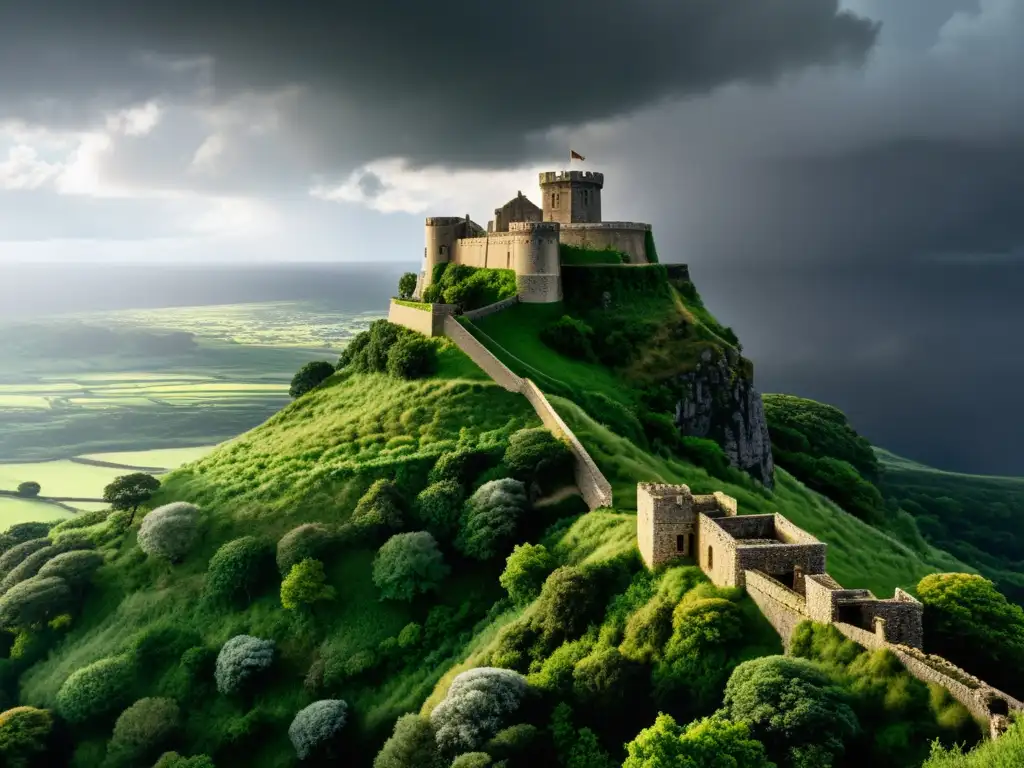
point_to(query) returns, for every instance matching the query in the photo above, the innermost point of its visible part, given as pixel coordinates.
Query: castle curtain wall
(626, 236)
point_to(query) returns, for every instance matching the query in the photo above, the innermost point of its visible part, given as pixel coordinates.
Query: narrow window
(711, 558)
(680, 543)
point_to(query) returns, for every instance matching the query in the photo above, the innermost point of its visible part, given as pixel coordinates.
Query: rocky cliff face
(717, 400)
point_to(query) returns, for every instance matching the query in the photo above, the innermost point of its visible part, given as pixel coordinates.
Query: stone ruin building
(782, 568)
(525, 237)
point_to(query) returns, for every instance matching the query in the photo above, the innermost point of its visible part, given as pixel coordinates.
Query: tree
(568, 602)
(238, 568)
(477, 706)
(305, 584)
(408, 564)
(537, 456)
(412, 745)
(169, 531)
(309, 377)
(28, 568)
(19, 533)
(128, 492)
(17, 554)
(438, 508)
(97, 689)
(29, 489)
(525, 571)
(707, 743)
(491, 518)
(240, 659)
(34, 602)
(143, 730)
(307, 541)
(790, 705)
(412, 357)
(407, 285)
(174, 760)
(316, 726)
(23, 733)
(970, 623)
(472, 760)
(76, 567)
(380, 507)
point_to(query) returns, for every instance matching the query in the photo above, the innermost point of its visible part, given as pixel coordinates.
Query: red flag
(574, 155)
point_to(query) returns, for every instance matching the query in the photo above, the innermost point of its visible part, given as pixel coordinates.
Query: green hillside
(407, 521)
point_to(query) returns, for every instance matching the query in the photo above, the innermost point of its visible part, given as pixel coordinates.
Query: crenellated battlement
(553, 177)
(534, 226)
(444, 221)
(619, 225)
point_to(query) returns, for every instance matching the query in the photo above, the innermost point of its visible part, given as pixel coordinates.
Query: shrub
(570, 337)
(17, 554)
(407, 285)
(142, 730)
(536, 455)
(519, 743)
(412, 357)
(464, 464)
(383, 336)
(169, 531)
(81, 520)
(306, 542)
(472, 760)
(525, 571)
(174, 760)
(382, 505)
(711, 741)
(314, 727)
(490, 518)
(409, 564)
(647, 630)
(19, 533)
(352, 354)
(569, 601)
(412, 745)
(476, 707)
(238, 568)
(604, 677)
(309, 377)
(24, 732)
(28, 568)
(96, 690)
(305, 584)
(29, 489)
(438, 508)
(76, 567)
(33, 602)
(240, 659)
(69, 541)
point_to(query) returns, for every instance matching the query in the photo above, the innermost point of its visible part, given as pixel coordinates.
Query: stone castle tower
(572, 197)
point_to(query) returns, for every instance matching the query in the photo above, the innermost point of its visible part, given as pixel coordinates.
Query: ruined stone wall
(823, 593)
(783, 607)
(491, 309)
(480, 355)
(780, 559)
(666, 522)
(716, 552)
(790, 534)
(627, 236)
(902, 620)
(594, 487)
(749, 526)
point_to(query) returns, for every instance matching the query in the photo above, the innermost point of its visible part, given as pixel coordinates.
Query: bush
(70, 541)
(238, 569)
(470, 287)
(412, 357)
(240, 659)
(174, 760)
(305, 585)
(96, 690)
(525, 571)
(29, 489)
(438, 508)
(537, 456)
(314, 727)
(142, 730)
(381, 506)
(306, 542)
(169, 531)
(34, 602)
(570, 337)
(28, 568)
(24, 732)
(490, 518)
(711, 741)
(412, 745)
(76, 567)
(309, 377)
(521, 743)
(605, 677)
(19, 533)
(409, 564)
(464, 464)
(476, 707)
(352, 355)
(407, 285)
(472, 760)
(17, 554)
(569, 601)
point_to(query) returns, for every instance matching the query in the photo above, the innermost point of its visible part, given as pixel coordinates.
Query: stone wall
(749, 526)
(491, 309)
(783, 607)
(594, 487)
(716, 554)
(428, 321)
(781, 560)
(789, 533)
(480, 355)
(626, 236)
(666, 522)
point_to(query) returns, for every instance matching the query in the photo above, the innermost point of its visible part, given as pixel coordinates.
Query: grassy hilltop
(410, 494)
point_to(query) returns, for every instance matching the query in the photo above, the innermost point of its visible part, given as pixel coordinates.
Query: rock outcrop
(717, 400)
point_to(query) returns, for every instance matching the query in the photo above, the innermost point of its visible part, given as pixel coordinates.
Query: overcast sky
(800, 135)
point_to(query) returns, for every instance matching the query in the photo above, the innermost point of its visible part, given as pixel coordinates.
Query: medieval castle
(525, 237)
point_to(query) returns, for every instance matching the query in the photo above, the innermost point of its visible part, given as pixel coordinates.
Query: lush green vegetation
(469, 287)
(1005, 752)
(574, 255)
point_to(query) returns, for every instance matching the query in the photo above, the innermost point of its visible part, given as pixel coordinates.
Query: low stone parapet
(491, 309)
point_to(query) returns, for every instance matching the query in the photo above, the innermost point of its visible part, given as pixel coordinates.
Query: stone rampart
(782, 607)
(594, 487)
(480, 355)
(429, 321)
(625, 236)
(491, 309)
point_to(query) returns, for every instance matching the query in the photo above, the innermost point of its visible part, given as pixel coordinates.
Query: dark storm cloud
(453, 81)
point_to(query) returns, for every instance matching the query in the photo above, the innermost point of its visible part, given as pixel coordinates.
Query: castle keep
(525, 237)
(782, 569)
